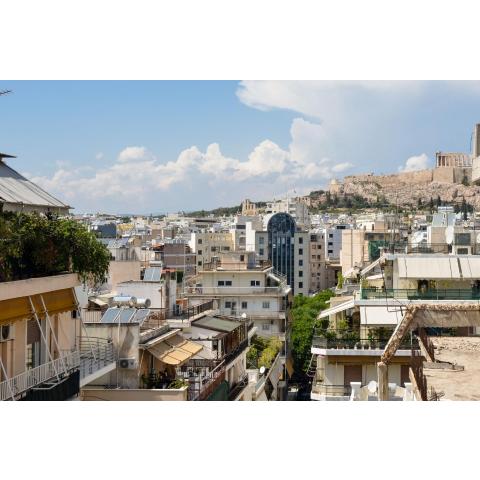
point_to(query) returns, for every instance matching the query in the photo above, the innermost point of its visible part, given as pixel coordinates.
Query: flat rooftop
(456, 384)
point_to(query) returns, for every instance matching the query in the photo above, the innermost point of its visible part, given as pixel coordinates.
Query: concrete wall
(170, 395)
(125, 340)
(122, 271)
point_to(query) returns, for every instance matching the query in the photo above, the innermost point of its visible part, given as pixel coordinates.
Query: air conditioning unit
(6, 333)
(128, 363)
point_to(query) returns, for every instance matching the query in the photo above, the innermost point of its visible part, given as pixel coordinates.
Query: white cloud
(99, 156)
(417, 162)
(138, 176)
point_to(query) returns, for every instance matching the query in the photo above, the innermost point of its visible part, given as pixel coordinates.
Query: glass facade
(281, 230)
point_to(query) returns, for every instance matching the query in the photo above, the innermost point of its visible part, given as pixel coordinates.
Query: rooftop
(16, 189)
(216, 323)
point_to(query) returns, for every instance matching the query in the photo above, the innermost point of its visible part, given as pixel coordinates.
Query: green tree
(304, 318)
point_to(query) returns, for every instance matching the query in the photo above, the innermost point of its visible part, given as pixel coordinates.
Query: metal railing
(95, 354)
(233, 290)
(238, 387)
(425, 248)
(332, 390)
(31, 378)
(235, 266)
(230, 356)
(351, 340)
(414, 294)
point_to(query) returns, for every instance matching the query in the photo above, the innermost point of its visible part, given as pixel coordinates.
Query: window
(221, 283)
(199, 263)
(300, 273)
(261, 240)
(254, 283)
(228, 304)
(228, 283)
(300, 251)
(330, 244)
(213, 249)
(199, 252)
(261, 251)
(265, 326)
(200, 241)
(330, 235)
(300, 263)
(244, 305)
(300, 284)
(330, 252)
(300, 240)
(242, 258)
(266, 305)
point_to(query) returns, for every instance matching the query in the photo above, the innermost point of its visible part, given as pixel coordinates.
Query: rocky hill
(406, 189)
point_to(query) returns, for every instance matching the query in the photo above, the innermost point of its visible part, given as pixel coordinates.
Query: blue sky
(162, 146)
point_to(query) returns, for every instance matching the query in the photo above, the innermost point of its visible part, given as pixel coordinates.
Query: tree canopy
(33, 245)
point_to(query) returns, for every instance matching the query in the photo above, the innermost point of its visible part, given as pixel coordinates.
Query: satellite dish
(262, 370)
(449, 235)
(372, 386)
(244, 315)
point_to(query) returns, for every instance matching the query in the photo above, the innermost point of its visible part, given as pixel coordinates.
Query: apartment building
(245, 288)
(285, 246)
(41, 356)
(361, 325)
(207, 245)
(297, 209)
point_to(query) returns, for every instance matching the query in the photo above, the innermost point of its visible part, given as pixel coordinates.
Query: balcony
(238, 388)
(234, 290)
(232, 355)
(414, 294)
(91, 361)
(236, 266)
(321, 391)
(352, 340)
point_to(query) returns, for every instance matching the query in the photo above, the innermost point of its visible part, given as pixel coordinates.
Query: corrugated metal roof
(14, 188)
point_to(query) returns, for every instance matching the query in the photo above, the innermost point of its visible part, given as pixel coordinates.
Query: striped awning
(175, 350)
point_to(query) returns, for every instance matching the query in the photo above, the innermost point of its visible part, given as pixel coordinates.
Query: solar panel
(152, 274)
(110, 315)
(141, 315)
(126, 315)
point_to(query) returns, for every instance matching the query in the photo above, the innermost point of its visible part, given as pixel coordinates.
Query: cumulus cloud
(137, 175)
(417, 162)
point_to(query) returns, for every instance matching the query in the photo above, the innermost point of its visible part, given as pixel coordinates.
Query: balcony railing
(235, 266)
(238, 388)
(414, 294)
(92, 356)
(234, 290)
(332, 390)
(230, 356)
(23, 382)
(351, 340)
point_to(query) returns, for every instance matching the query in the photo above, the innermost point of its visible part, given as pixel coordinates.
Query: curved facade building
(281, 230)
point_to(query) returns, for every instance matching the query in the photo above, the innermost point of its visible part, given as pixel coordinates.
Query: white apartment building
(298, 210)
(245, 288)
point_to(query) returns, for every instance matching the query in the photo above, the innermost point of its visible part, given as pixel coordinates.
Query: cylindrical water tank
(143, 303)
(125, 301)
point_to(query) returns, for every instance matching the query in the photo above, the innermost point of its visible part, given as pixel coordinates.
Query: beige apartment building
(207, 245)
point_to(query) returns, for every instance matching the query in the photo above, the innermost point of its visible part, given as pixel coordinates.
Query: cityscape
(363, 286)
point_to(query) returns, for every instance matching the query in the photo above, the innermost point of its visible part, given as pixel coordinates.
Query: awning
(372, 265)
(175, 350)
(19, 308)
(470, 267)
(430, 266)
(289, 364)
(376, 316)
(337, 308)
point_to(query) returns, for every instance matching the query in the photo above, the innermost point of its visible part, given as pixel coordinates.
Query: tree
(304, 318)
(431, 205)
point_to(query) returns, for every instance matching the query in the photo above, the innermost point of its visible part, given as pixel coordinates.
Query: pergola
(421, 316)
